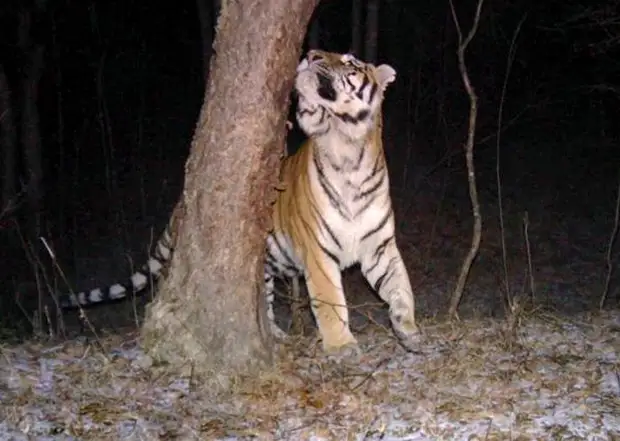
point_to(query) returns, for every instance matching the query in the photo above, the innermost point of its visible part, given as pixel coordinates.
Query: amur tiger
(334, 208)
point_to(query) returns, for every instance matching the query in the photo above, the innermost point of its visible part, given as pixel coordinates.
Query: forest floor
(526, 377)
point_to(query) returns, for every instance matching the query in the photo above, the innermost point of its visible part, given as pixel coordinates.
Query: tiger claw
(349, 352)
(408, 334)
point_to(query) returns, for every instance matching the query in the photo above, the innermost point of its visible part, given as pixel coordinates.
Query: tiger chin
(333, 209)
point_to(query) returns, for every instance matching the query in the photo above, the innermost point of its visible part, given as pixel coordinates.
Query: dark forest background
(114, 89)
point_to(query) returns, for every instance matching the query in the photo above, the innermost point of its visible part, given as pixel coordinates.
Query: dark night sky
(148, 57)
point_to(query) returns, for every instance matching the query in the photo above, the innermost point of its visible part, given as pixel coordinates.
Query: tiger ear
(385, 75)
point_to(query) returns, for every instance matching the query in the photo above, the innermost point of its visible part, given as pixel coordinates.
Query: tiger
(333, 208)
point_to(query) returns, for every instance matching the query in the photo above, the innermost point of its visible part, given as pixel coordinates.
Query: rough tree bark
(205, 314)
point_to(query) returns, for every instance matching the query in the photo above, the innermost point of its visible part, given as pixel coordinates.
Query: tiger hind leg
(385, 270)
(276, 331)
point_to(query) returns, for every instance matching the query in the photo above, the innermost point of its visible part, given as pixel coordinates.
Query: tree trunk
(206, 313)
(30, 130)
(207, 14)
(8, 147)
(314, 33)
(31, 141)
(372, 31)
(356, 28)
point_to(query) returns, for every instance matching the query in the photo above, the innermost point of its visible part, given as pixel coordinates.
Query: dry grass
(548, 378)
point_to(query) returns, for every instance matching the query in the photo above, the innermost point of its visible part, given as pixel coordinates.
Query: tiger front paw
(348, 353)
(342, 344)
(407, 332)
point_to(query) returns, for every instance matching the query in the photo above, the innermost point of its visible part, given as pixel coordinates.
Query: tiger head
(339, 92)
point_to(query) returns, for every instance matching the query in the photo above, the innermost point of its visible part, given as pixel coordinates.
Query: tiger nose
(314, 56)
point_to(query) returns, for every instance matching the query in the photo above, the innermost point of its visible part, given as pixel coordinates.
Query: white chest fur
(354, 199)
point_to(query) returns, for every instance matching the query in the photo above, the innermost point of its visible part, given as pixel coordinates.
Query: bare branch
(469, 155)
(498, 177)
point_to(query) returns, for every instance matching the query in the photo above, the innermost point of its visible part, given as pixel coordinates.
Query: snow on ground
(547, 378)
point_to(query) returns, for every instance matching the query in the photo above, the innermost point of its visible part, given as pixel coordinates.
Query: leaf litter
(551, 377)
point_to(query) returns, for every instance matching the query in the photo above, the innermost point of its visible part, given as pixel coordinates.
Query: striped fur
(334, 209)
